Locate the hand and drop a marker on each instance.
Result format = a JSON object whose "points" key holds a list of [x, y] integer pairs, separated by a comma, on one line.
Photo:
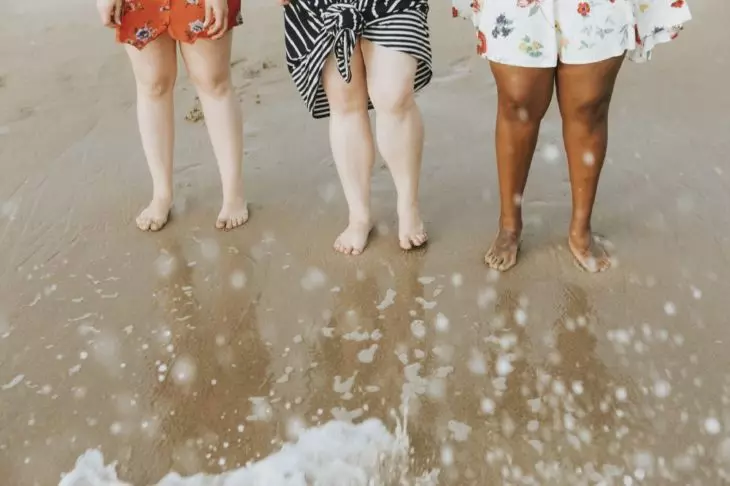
{"points": [[284, 3], [110, 12], [216, 18]]}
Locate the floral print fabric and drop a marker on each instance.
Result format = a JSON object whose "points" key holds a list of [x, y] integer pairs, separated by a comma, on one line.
{"points": [[145, 20], [538, 33]]}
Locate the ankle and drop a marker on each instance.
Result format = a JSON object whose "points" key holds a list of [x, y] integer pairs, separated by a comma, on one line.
{"points": [[162, 196], [510, 224]]}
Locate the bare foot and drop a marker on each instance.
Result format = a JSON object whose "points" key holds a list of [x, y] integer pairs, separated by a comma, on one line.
{"points": [[502, 255], [411, 230], [589, 251], [233, 214], [354, 239], [154, 217]]}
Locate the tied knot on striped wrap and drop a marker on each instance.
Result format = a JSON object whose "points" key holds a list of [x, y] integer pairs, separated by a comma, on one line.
{"points": [[345, 23]]}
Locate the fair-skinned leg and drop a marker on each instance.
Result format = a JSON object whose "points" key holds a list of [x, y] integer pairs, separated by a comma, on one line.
{"points": [[524, 95], [351, 140], [399, 131], [155, 70], [584, 96], [209, 66]]}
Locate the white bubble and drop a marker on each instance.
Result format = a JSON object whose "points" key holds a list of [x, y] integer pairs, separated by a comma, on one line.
{"points": [[621, 394], [477, 363], [184, 370], [238, 280], [589, 159], [442, 323], [488, 406], [486, 297], [520, 317], [696, 293], [504, 366], [550, 152], [447, 456], [670, 309], [418, 329], [457, 280], [313, 279], [712, 426], [577, 387], [165, 265], [367, 355], [210, 249], [115, 428], [662, 388], [294, 428]]}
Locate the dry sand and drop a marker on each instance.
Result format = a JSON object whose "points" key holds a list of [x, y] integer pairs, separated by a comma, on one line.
{"points": [[625, 373]]}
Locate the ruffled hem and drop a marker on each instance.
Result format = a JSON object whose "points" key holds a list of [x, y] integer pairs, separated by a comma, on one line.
{"points": [[660, 23]]}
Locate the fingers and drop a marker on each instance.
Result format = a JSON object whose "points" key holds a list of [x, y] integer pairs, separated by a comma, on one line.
{"points": [[208, 16], [220, 23], [118, 13], [105, 13]]}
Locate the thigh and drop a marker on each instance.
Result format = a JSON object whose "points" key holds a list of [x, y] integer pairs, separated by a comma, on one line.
{"points": [[341, 95], [208, 59], [156, 62], [390, 72], [587, 85], [523, 92]]}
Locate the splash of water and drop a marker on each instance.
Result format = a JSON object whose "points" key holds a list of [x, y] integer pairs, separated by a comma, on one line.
{"points": [[337, 453]]}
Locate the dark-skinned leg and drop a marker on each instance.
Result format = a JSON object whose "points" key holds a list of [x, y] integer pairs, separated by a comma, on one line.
{"points": [[584, 96], [524, 95]]}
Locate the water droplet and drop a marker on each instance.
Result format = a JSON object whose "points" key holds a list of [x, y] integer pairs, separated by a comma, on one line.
{"points": [[589, 159], [313, 279], [238, 280], [184, 370], [712, 426], [442, 323], [662, 388], [670, 309], [550, 152], [488, 406]]}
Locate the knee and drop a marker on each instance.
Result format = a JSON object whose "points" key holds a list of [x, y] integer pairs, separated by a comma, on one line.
{"points": [[392, 97], [518, 106], [592, 112], [156, 86], [347, 99], [215, 85]]}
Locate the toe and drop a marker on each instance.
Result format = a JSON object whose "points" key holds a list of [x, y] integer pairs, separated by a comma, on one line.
{"points": [[405, 244], [220, 224], [143, 224]]}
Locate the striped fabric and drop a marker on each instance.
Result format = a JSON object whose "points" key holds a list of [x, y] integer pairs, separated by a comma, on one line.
{"points": [[316, 28]]}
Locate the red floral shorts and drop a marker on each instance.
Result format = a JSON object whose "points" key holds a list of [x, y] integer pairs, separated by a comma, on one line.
{"points": [[145, 20]]}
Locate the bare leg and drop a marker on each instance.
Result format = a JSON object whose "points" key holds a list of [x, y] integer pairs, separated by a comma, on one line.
{"points": [[209, 66], [352, 148], [399, 128], [584, 94], [524, 95], [155, 70]]}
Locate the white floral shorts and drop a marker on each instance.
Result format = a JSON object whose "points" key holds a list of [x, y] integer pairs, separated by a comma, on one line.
{"points": [[539, 33]]}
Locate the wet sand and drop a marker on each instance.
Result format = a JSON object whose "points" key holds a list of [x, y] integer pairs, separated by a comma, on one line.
{"points": [[191, 350]]}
